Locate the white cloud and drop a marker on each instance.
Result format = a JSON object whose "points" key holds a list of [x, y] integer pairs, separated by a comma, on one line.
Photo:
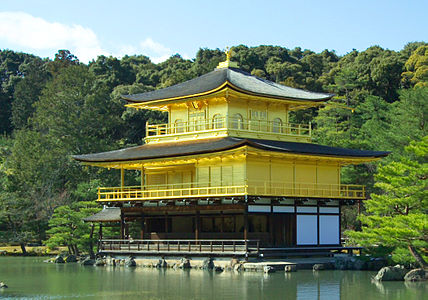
{"points": [[22, 29], [156, 51], [36, 35]]}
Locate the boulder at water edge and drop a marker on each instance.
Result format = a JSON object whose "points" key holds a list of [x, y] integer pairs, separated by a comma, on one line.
{"points": [[70, 258], [268, 269], [290, 268], [3, 285], [87, 262], [161, 264], [59, 259], [395, 273], [184, 264], [130, 262], [99, 262], [416, 275], [208, 264]]}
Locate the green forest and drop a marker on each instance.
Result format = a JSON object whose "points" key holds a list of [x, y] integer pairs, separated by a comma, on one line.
{"points": [[51, 109]]}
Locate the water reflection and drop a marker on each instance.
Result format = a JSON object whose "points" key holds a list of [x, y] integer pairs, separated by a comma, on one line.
{"points": [[30, 278]]}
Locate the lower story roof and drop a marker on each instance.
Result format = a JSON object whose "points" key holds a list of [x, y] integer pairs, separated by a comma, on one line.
{"points": [[108, 214], [174, 149]]}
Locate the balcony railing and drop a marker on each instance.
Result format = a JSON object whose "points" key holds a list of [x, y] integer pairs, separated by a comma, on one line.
{"points": [[194, 246], [230, 123], [253, 188]]}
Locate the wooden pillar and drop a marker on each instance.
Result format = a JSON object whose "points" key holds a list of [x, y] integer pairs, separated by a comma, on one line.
{"points": [[143, 178], [166, 225], [197, 225], [143, 226], [122, 227], [100, 232], [222, 222], [122, 177], [246, 223], [271, 233], [91, 247]]}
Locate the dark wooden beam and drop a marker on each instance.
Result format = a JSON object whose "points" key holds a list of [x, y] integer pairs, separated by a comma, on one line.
{"points": [[184, 208]]}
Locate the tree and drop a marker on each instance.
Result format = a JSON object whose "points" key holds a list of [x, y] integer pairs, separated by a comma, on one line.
{"points": [[397, 217], [66, 227], [27, 92], [416, 73]]}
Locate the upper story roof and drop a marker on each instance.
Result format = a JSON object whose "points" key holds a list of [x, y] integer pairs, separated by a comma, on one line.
{"points": [[228, 77]]}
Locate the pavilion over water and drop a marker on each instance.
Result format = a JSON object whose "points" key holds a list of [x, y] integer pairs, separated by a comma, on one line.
{"points": [[228, 169]]}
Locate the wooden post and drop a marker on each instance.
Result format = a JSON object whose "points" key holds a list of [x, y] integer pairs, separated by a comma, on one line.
{"points": [[246, 223], [100, 232], [197, 225], [222, 222], [91, 248], [122, 182], [126, 230], [142, 226], [166, 225], [122, 227], [271, 229]]}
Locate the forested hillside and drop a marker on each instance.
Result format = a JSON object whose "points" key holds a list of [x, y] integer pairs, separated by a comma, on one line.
{"points": [[51, 109]]}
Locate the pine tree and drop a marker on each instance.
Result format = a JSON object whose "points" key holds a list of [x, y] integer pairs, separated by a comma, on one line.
{"points": [[397, 217]]}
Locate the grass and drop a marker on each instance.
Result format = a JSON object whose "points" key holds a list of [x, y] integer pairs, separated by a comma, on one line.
{"points": [[36, 251]]}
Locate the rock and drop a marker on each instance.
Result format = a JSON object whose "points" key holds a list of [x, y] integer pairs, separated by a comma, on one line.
{"points": [[161, 264], [87, 262], [99, 262], [268, 269], [290, 268], [110, 261], [184, 264], [207, 264], [3, 285], [59, 259], [70, 258], [130, 262], [233, 262], [416, 275], [218, 269], [318, 267], [237, 267], [394, 273]]}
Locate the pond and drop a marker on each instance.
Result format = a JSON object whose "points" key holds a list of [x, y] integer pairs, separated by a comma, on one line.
{"points": [[31, 278]]}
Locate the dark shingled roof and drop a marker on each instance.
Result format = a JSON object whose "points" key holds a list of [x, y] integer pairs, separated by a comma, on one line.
{"points": [[161, 150], [237, 78], [108, 214]]}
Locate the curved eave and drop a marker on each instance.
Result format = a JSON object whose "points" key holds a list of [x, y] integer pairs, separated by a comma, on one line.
{"points": [[226, 85], [219, 146]]}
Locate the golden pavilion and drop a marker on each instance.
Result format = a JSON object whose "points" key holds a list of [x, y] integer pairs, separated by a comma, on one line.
{"points": [[228, 174]]}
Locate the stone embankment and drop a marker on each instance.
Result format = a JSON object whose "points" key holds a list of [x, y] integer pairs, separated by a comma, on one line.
{"points": [[339, 262]]}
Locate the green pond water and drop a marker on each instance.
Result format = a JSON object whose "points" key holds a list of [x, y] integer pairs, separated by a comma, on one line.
{"points": [[31, 278]]}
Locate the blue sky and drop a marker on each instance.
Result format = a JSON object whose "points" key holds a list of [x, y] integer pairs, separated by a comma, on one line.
{"points": [[159, 28]]}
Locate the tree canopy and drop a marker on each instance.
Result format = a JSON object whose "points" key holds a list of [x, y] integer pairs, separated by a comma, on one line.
{"points": [[51, 109], [398, 215]]}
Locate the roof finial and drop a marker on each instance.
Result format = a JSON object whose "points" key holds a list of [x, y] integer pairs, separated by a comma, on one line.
{"points": [[229, 53], [228, 63]]}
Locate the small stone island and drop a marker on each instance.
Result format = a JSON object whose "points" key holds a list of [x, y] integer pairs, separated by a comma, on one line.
{"points": [[228, 175]]}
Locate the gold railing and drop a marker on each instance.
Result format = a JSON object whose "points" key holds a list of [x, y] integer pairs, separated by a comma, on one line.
{"points": [[197, 190], [315, 190], [229, 123]]}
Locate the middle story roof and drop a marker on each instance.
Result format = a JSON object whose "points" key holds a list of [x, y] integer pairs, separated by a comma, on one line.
{"points": [[166, 150]]}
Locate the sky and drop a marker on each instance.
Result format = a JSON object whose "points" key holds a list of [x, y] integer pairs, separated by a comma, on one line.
{"points": [[159, 29]]}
